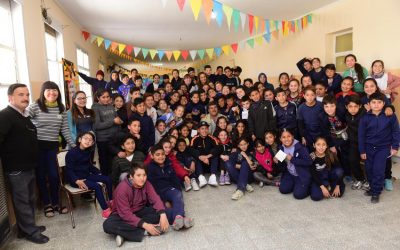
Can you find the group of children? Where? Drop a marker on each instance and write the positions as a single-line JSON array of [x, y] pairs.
[[305, 137]]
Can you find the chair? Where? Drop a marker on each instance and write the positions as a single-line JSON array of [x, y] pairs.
[[68, 189]]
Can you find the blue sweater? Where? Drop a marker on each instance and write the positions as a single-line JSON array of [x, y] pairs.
[[96, 84], [309, 120], [334, 87], [301, 160], [286, 116], [378, 131], [147, 131], [162, 178], [78, 164]]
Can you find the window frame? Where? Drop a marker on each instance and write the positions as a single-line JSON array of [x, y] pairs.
[[343, 53], [82, 68]]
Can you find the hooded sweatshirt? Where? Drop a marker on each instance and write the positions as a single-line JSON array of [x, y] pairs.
[[104, 125]]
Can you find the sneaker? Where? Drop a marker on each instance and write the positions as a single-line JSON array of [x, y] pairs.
[[222, 180], [188, 222], [388, 184], [213, 180], [227, 179], [237, 195], [249, 188], [357, 185], [188, 187], [106, 213], [119, 240], [194, 185], [365, 186], [368, 193], [178, 223], [202, 181], [374, 199], [261, 184]]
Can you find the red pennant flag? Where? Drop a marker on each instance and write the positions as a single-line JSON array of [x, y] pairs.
[[283, 27], [185, 54], [251, 23], [234, 47], [129, 49], [86, 35], [181, 4]]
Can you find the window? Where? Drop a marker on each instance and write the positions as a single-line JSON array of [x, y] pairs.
[[83, 67], [343, 45]]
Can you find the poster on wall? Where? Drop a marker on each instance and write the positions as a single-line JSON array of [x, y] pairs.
[[71, 81]]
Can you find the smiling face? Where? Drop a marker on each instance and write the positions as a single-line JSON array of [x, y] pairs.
[[167, 148], [281, 97], [222, 136], [159, 156], [104, 99], [86, 141], [118, 102], [51, 95], [320, 146], [347, 85], [260, 148], [20, 98], [350, 61], [156, 79], [181, 146], [330, 109], [269, 139], [370, 87], [309, 96], [134, 127], [139, 178], [129, 146], [243, 145], [80, 100], [287, 139]]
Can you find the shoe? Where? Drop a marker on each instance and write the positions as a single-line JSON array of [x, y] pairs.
[[357, 185], [348, 179], [227, 179], [202, 181], [388, 184], [222, 180], [119, 240], [188, 222], [261, 184], [249, 188], [374, 199], [368, 193], [194, 185], [213, 180], [178, 223], [365, 186], [22, 234], [188, 187], [106, 213], [38, 239], [237, 195]]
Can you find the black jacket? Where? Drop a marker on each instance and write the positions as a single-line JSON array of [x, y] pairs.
[[261, 118]]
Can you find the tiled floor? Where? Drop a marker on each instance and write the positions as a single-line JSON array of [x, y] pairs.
[[264, 219]]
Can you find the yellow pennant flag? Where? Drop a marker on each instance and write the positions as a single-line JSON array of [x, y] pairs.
[[259, 40], [226, 49], [152, 52], [256, 23], [272, 25], [121, 47], [196, 5], [176, 53], [228, 12], [210, 52], [285, 28], [99, 40]]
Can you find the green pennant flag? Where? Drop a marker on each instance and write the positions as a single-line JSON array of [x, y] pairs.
[[236, 20], [201, 53], [250, 42], [309, 18], [145, 52]]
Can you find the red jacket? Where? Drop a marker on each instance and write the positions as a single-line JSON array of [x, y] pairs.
[[178, 167]]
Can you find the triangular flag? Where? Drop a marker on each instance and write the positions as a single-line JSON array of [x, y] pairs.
[[184, 54], [210, 52], [121, 47], [208, 8], [86, 35], [243, 17], [145, 52], [251, 23], [181, 4], [161, 54], [136, 50], [258, 39], [304, 21], [292, 26], [114, 45], [309, 18], [218, 51], [234, 47], [276, 25], [153, 53], [267, 26], [262, 26], [250, 42], [272, 25], [129, 49], [226, 49], [267, 37], [168, 54], [107, 43], [242, 44], [201, 53], [228, 13], [93, 38], [164, 3], [218, 11], [299, 25], [193, 54], [236, 19], [99, 40], [275, 34], [196, 5], [176, 53], [256, 19]]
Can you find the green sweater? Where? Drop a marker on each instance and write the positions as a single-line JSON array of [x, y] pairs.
[[358, 86]]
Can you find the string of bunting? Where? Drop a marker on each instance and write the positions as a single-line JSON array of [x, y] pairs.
[[279, 28], [236, 17]]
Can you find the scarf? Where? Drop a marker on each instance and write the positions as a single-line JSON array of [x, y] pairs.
[[377, 76], [51, 104]]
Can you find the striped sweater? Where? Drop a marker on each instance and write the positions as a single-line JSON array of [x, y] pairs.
[[50, 124]]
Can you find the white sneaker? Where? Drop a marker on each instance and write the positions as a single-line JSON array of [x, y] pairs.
[[237, 195], [188, 187], [119, 240], [249, 188], [213, 180], [202, 181], [194, 185]]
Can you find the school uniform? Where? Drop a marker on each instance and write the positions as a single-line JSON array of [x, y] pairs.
[[261, 118], [286, 117], [222, 149], [122, 166], [296, 176], [241, 176], [147, 130], [196, 110], [309, 122], [112, 87], [358, 83], [186, 159], [96, 84], [333, 83], [176, 83], [153, 87], [378, 134]]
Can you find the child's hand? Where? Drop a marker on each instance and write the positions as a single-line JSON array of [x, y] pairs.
[[164, 222], [275, 160], [363, 156], [118, 120], [393, 152], [81, 184], [336, 192], [270, 176], [367, 107], [253, 137], [253, 167], [388, 111], [325, 191], [121, 154], [312, 155], [237, 166], [289, 157], [224, 157], [333, 150], [151, 229], [303, 141], [244, 154]]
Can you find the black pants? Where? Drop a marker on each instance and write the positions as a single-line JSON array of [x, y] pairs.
[[22, 187], [104, 158], [388, 169], [117, 226], [354, 162]]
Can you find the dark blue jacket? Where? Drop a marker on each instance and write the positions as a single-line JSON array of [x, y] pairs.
[[301, 160], [326, 127], [378, 131], [96, 84], [79, 164], [335, 86], [162, 178], [309, 120], [286, 116], [150, 88], [147, 131], [113, 86], [365, 100], [196, 109], [315, 76]]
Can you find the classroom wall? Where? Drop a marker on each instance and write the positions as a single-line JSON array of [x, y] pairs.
[[35, 41]]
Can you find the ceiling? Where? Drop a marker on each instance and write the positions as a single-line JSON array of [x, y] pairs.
[[146, 23]]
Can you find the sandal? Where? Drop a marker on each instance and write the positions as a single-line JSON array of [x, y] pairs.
[[62, 210], [48, 211]]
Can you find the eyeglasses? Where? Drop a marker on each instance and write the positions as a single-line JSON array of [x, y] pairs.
[[81, 98], [87, 138]]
